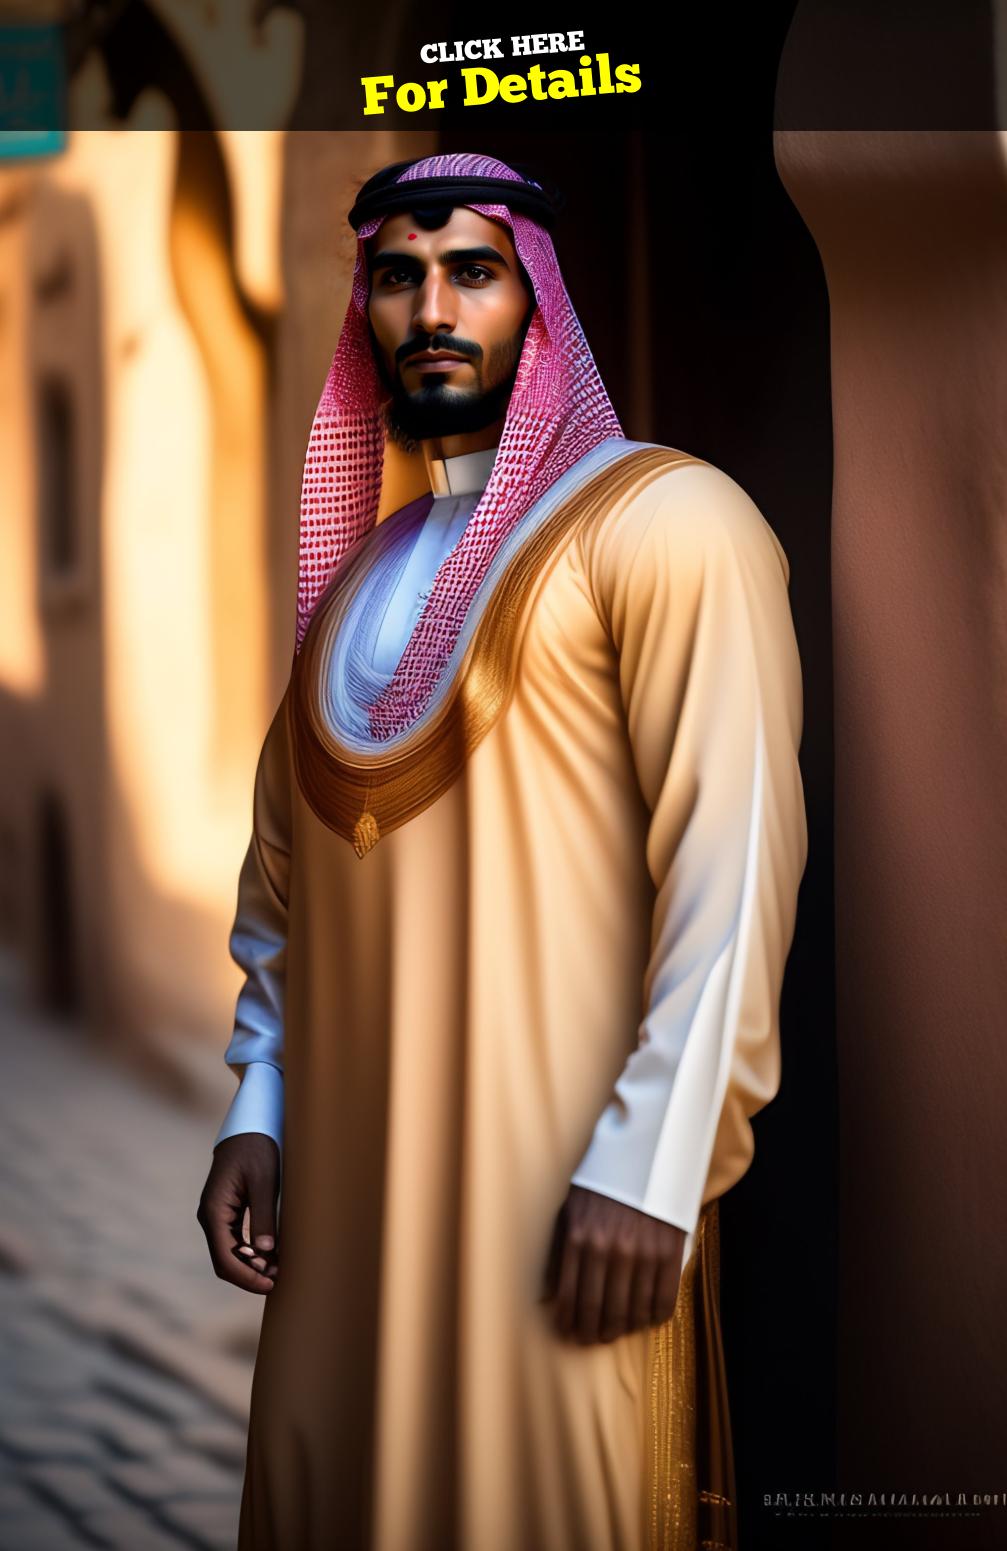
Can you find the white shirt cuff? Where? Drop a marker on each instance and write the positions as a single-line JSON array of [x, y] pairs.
[[257, 1105]]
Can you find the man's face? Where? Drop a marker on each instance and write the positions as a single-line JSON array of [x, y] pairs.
[[457, 290]]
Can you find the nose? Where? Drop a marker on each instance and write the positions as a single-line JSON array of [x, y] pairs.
[[435, 311]]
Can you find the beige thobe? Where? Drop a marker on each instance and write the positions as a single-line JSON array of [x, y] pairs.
[[565, 966]]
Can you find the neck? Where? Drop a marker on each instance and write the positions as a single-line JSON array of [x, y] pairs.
[[468, 441]]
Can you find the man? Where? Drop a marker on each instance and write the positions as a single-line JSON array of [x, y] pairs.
[[528, 834]]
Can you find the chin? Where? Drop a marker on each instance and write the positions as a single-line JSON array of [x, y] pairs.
[[442, 411]]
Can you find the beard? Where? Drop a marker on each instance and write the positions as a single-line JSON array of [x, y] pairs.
[[435, 409], [439, 410]]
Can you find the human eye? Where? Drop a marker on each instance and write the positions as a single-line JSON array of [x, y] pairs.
[[400, 274], [478, 274]]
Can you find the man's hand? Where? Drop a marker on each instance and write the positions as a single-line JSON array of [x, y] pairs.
[[611, 1268], [245, 1172]]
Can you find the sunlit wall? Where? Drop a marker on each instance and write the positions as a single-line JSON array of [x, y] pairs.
[[168, 306]]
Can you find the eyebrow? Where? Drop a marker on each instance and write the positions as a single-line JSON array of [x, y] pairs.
[[451, 256]]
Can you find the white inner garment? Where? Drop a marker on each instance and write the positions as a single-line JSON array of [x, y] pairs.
[[465, 478]]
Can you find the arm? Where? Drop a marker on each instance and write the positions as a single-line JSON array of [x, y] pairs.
[[691, 584], [245, 1172], [693, 589], [258, 945]]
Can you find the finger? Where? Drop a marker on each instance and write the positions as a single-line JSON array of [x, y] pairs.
[[618, 1291], [232, 1264], [262, 1191], [666, 1290], [550, 1279], [642, 1297], [222, 1227], [591, 1293], [260, 1262], [566, 1289]]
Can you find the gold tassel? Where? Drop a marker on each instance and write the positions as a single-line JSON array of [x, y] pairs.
[[690, 1455], [673, 1496], [365, 834]]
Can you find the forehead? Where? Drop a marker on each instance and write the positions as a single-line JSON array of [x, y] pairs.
[[463, 228]]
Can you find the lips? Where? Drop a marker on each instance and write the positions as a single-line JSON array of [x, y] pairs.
[[431, 356]]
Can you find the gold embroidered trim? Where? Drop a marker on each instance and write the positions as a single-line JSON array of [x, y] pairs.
[[689, 1425], [363, 795], [672, 1454], [365, 834]]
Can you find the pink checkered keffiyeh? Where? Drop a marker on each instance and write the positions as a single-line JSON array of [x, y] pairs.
[[558, 411]]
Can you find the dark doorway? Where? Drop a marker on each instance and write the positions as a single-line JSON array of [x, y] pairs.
[[60, 989]]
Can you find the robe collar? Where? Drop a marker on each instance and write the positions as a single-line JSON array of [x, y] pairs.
[[462, 475]]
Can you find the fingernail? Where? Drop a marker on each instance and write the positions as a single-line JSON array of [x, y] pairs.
[[245, 1249], [265, 1241]]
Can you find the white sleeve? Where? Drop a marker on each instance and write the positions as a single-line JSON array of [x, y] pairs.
[[695, 594], [258, 945]]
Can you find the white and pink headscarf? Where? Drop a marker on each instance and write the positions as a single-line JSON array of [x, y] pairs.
[[558, 411]]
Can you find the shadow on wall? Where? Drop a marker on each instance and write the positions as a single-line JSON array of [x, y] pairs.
[[899, 176]]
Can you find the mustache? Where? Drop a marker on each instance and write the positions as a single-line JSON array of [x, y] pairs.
[[466, 347]]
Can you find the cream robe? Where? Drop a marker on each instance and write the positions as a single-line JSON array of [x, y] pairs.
[[567, 966]]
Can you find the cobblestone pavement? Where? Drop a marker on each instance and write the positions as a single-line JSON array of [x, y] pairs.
[[125, 1365]]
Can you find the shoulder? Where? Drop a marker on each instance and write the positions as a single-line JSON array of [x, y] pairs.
[[687, 517]]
